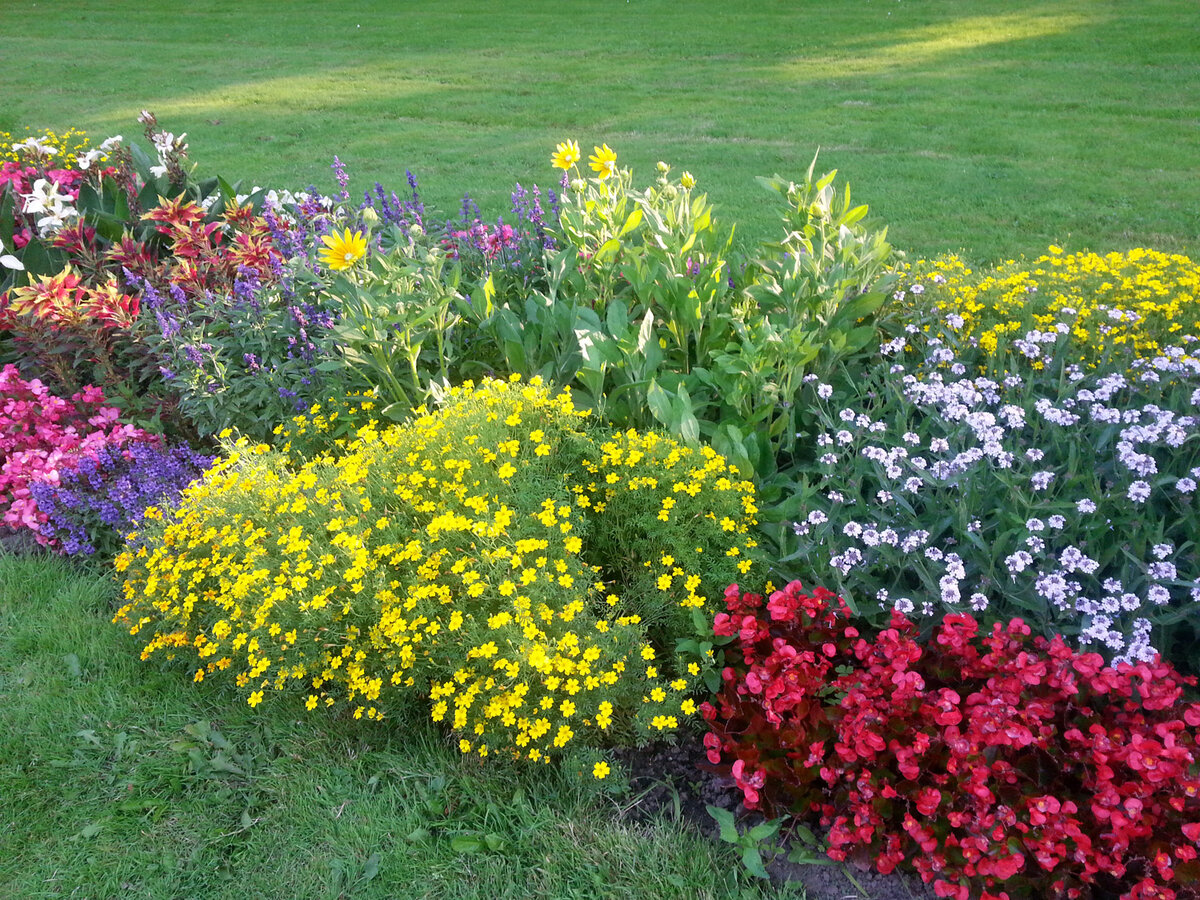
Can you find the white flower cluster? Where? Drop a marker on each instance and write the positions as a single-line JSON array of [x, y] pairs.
[[982, 490]]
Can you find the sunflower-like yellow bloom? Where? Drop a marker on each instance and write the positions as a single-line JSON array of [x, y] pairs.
[[688, 180], [343, 250], [603, 162], [566, 155]]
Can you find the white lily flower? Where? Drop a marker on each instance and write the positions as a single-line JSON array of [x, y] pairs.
[[9, 261], [55, 220], [44, 198], [85, 160], [38, 146], [110, 143]]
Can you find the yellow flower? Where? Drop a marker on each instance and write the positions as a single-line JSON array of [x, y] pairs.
[[566, 155], [687, 180], [343, 250], [255, 698], [601, 770], [603, 162]]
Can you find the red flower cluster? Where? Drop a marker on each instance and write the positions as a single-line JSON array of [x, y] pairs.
[[987, 762]]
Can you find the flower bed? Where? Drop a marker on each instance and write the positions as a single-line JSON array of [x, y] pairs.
[[1006, 454]]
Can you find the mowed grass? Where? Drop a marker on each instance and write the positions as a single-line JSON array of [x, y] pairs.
[[123, 779], [993, 127]]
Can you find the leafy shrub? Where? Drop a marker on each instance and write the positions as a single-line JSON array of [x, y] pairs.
[[1135, 303], [1011, 483], [245, 358], [505, 558], [74, 333], [644, 311], [986, 762], [43, 435], [122, 230]]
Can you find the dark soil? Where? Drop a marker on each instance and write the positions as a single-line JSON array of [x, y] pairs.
[[670, 781]]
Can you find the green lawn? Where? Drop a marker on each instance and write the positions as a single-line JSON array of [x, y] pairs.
[[121, 779], [992, 126]]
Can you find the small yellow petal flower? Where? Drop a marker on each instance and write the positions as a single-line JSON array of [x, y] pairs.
[[566, 155], [603, 162], [601, 770], [343, 250]]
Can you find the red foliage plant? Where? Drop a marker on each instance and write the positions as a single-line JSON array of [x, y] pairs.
[[989, 762]]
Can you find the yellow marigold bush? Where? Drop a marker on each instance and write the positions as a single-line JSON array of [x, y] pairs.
[[523, 570], [1138, 301]]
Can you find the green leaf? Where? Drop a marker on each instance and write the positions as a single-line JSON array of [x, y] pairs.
[[685, 419], [804, 833], [764, 830], [659, 402], [219, 763], [489, 294], [141, 162], [725, 821], [634, 220], [607, 250], [88, 831], [494, 842], [466, 843], [617, 318], [371, 867], [752, 860]]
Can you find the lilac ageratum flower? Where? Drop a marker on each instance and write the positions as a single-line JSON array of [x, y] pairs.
[[1139, 492]]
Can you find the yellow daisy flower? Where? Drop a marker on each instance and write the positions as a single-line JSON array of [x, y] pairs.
[[566, 155], [600, 770], [603, 161], [343, 250], [688, 180]]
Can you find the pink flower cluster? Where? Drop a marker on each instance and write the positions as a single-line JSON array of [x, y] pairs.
[[988, 763], [489, 241], [42, 434]]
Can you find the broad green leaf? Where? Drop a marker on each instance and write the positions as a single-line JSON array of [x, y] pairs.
[[634, 220], [752, 860], [607, 250], [764, 830], [465, 843], [725, 821], [489, 293], [659, 402]]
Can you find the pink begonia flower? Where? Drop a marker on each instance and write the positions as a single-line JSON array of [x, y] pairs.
[[42, 434]]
